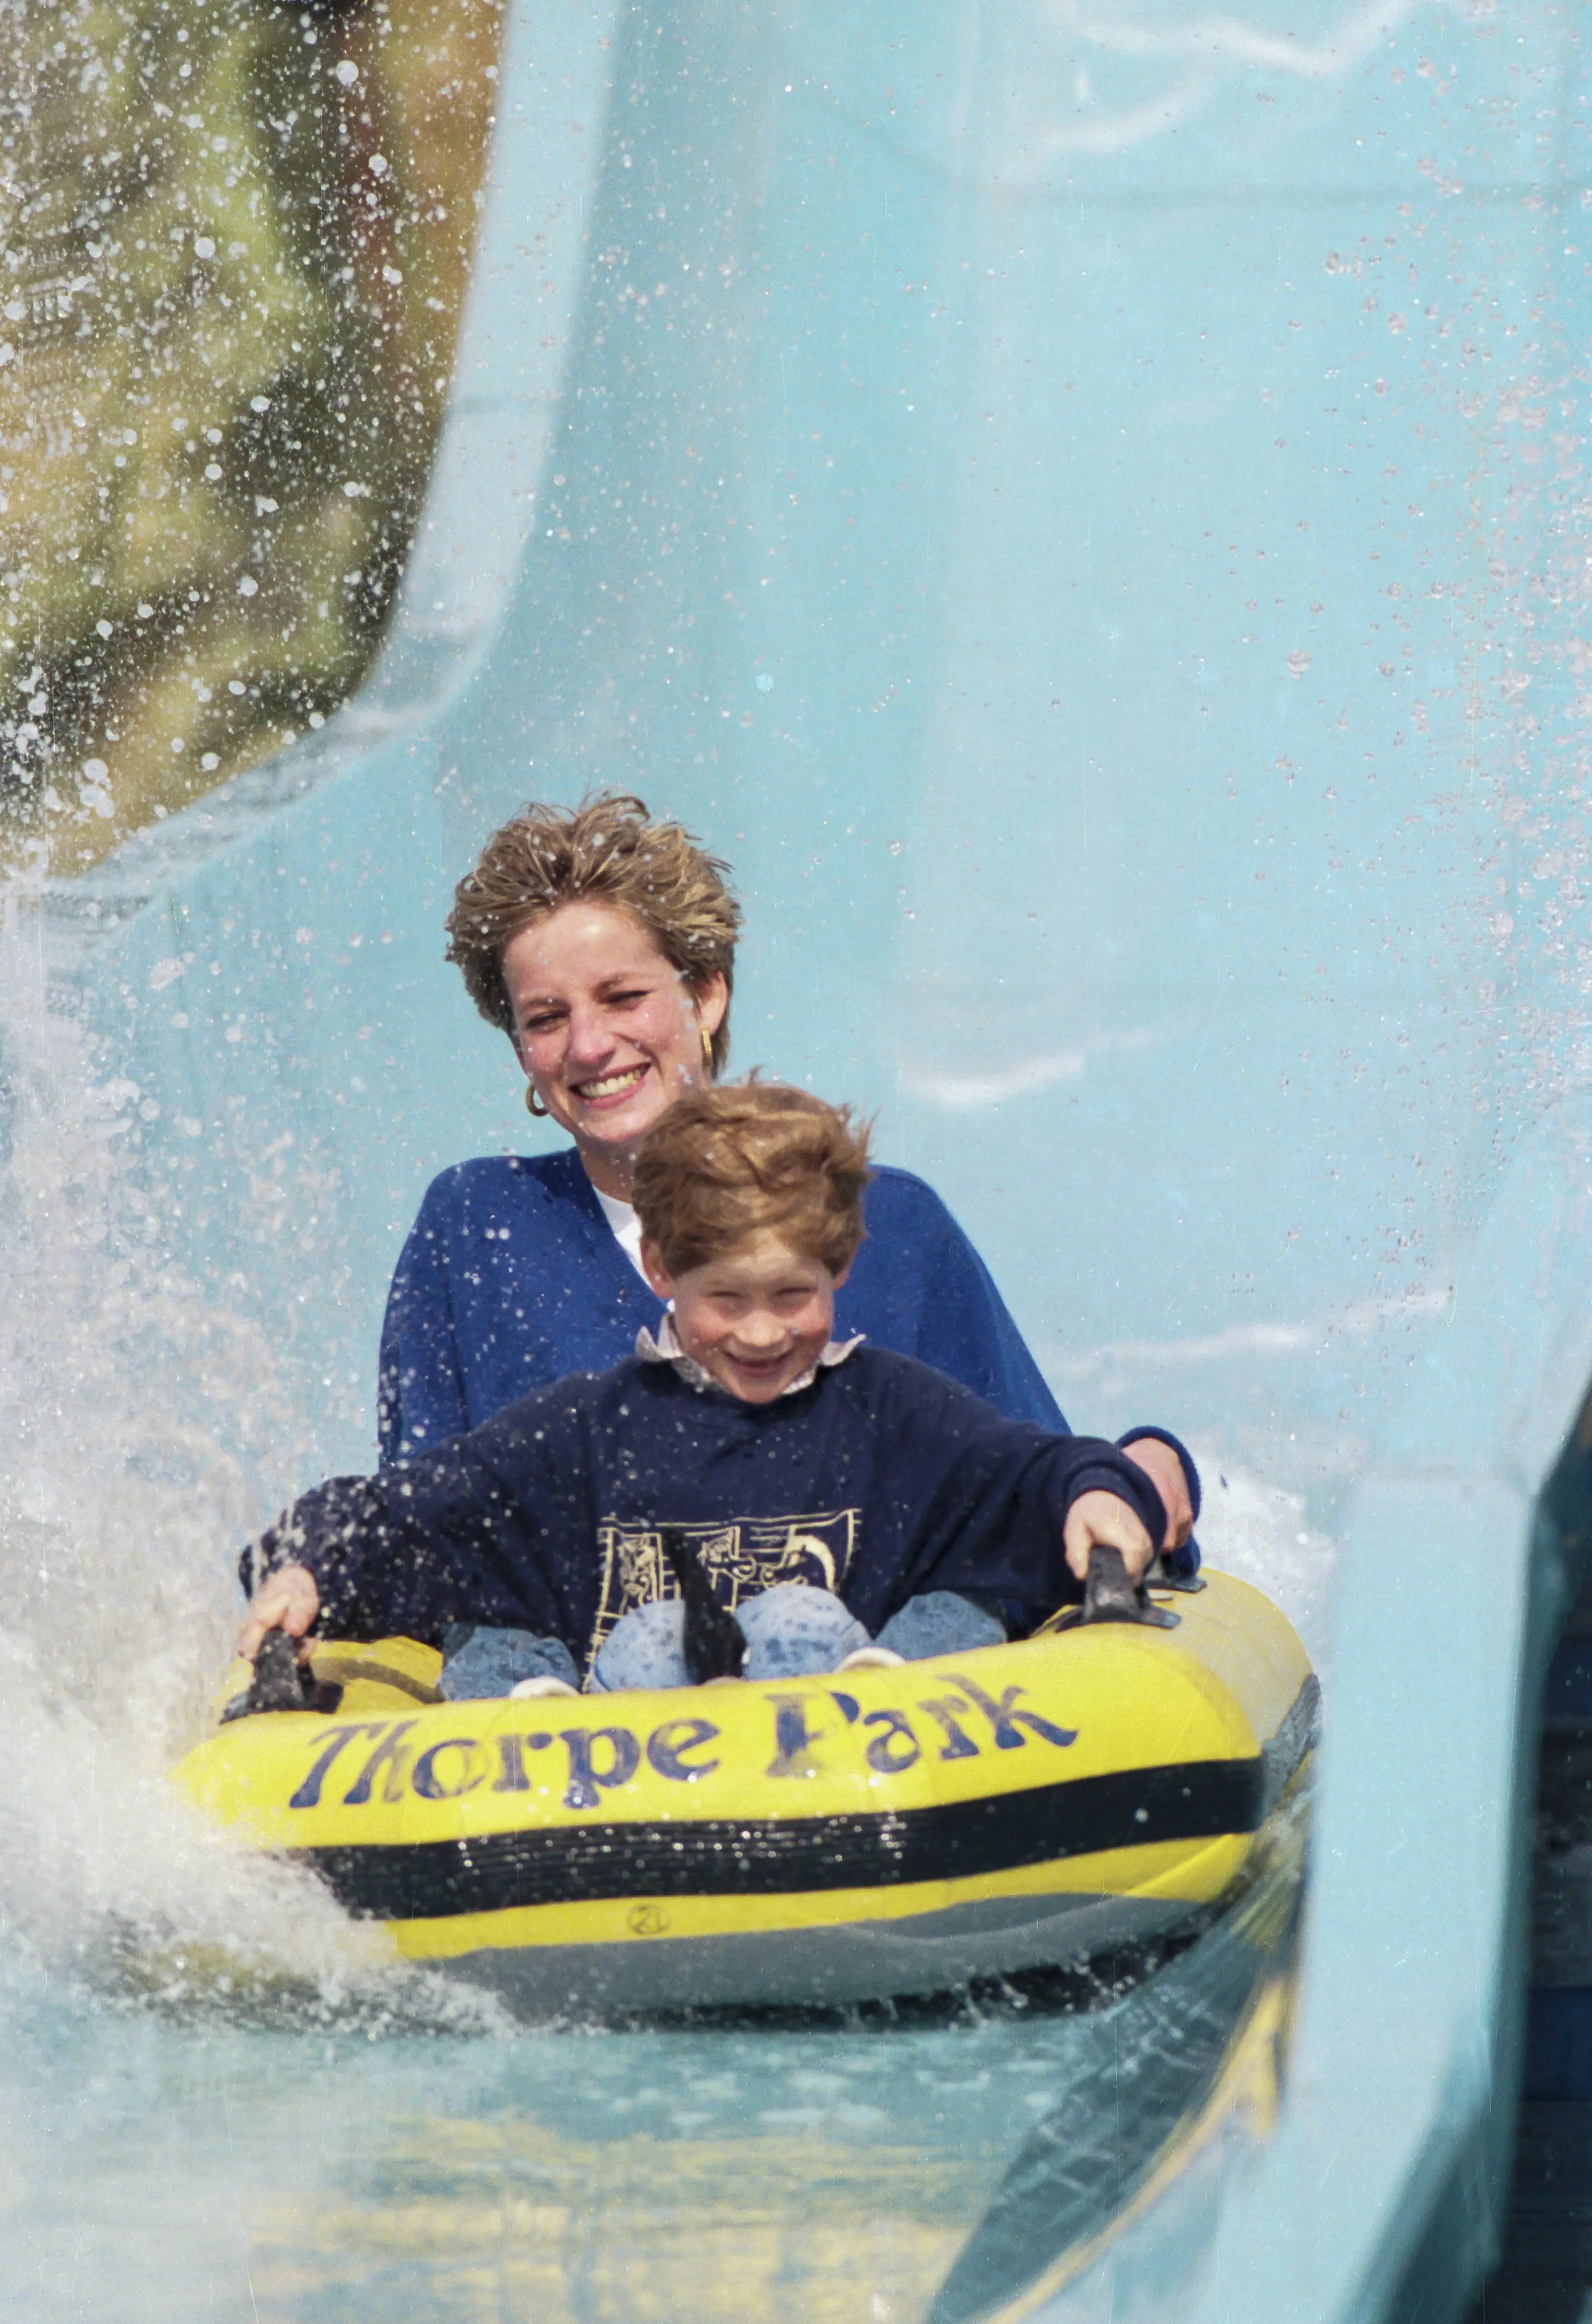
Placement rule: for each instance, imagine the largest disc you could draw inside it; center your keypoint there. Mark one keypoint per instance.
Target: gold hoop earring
(532, 1104)
(706, 1051)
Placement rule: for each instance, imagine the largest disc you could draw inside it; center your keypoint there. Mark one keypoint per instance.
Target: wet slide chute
(1083, 511)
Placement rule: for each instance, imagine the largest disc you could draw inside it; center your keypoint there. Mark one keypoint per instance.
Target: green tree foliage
(230, 291)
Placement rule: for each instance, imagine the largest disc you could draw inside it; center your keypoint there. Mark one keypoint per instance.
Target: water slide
(1083, 506)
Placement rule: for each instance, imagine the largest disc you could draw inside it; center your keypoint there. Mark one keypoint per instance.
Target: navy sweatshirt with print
(879, 1480)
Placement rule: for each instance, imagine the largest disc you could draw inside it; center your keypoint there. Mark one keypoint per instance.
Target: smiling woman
(603, 944)
(608, 1029)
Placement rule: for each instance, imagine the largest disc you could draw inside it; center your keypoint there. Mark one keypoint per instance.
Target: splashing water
(214, 2088)
(130, 1470)
(1261, 1533)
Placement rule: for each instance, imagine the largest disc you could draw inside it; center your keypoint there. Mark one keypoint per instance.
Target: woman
(602, 944)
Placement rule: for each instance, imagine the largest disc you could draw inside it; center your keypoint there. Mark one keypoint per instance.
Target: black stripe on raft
(960, 1839)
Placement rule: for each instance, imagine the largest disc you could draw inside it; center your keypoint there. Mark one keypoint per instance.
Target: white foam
(133, 1467)
(1258, 1532)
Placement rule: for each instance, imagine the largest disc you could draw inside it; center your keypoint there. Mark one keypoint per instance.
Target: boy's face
(756, 1318)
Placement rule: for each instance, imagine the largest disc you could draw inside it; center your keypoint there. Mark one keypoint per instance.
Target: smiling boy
(839, 1498)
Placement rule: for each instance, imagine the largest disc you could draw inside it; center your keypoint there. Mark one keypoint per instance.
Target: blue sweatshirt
(878, 1480)
(512, 1278)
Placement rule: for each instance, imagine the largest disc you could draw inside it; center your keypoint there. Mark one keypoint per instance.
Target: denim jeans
(943, 1622)
(791, 1631)
(478, 1661)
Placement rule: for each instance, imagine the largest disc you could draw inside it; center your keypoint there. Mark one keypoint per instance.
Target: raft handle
(278, 1684)
(1110, 1597)
(715, 1642)
(1186, 1584)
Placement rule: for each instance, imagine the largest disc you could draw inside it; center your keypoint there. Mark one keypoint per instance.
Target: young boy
(840, 1501)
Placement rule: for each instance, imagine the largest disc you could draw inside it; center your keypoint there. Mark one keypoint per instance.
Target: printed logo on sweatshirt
(741, 1558)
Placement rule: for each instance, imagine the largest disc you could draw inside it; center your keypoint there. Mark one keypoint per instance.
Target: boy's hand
(289, 1600)
(1162, 1465)
(1104, 1517)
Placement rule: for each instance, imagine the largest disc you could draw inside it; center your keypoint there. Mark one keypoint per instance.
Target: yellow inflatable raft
(886, 1831)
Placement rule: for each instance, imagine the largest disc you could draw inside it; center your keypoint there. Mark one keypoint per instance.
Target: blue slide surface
(1084, 507)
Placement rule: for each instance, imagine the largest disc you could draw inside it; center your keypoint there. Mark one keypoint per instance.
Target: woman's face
(609, 1034)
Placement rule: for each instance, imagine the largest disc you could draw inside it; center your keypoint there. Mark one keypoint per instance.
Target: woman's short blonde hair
(724, 1163)
(608, 849)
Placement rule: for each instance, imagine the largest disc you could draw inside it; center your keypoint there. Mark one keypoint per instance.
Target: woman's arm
(919, 1287)
(1169, 1465)
(420, 1390)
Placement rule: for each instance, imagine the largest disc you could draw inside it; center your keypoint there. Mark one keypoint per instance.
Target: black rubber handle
(1109, 1595)
(714, 1643)
(277, 1683)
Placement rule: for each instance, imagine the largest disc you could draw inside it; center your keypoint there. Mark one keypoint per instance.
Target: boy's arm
(479, 1531)
(286, 1601)
(1003, 1508)
(1098, 1519)
(1028, 1512)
